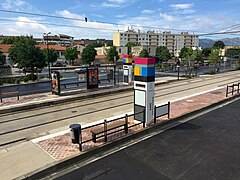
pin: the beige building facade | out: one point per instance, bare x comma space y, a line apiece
102, 50
174, 42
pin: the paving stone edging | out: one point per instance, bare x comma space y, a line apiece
46, 171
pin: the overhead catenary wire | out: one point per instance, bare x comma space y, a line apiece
86, 20
101, 22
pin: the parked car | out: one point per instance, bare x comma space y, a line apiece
80, 70
36, 70
59, 64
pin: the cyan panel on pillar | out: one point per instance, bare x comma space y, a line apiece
147, 71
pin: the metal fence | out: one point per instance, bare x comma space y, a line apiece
231, 89
109, 130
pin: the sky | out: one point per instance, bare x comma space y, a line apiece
106, 17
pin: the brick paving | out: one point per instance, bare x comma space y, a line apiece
61, 147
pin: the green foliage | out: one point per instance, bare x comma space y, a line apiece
233, 52
198, 56
88, 54
206, 52
50, 55
163, 53
144, 53
219, 45
95, 44
214, 57
26, 54
111, 53
1, 82
14, 39
109, 43
1, 59
71, 53
130, 44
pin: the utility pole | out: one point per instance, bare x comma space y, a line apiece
49, 73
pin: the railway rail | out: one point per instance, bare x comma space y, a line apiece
27, 124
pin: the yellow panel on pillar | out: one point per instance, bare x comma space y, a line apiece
137, 70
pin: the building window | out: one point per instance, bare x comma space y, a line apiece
120, 50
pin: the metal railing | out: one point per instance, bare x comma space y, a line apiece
231, 89
124, 127
17, 93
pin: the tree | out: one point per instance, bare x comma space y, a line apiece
130, 44
97, 44
163, 53
187, 55
111, 53
26, 54
13, 39
214, 58
233, 52
88, 54
71, 54
219, 45
206, 52
1, 58
144, 53
50, 55
198, 56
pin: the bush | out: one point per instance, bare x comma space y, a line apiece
1, 82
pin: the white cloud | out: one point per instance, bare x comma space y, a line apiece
106, 4
167, 17
16, 5
181, 6
118, 1
113, 3
68, 14
148, 11
121, 16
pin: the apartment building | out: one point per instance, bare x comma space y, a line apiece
174, 42
60, 40
86, 42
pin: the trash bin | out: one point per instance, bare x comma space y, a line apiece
75, 133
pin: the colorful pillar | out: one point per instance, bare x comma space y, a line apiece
144, 79
127, 69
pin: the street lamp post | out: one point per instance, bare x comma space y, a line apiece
49, 73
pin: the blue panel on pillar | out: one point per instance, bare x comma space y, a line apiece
148, 71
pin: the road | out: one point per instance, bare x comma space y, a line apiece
206, 147
25, 125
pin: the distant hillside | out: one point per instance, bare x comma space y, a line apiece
204, 43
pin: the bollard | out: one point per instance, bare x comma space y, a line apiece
75, 133
155, 114
126, 124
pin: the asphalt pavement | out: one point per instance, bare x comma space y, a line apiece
206, 147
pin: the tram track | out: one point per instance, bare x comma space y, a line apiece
222, 81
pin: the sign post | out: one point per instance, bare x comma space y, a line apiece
144, 81
56, 83
92, 78
127, 69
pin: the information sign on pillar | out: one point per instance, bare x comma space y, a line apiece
144, 79
92, 78
56, 83
127, 69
